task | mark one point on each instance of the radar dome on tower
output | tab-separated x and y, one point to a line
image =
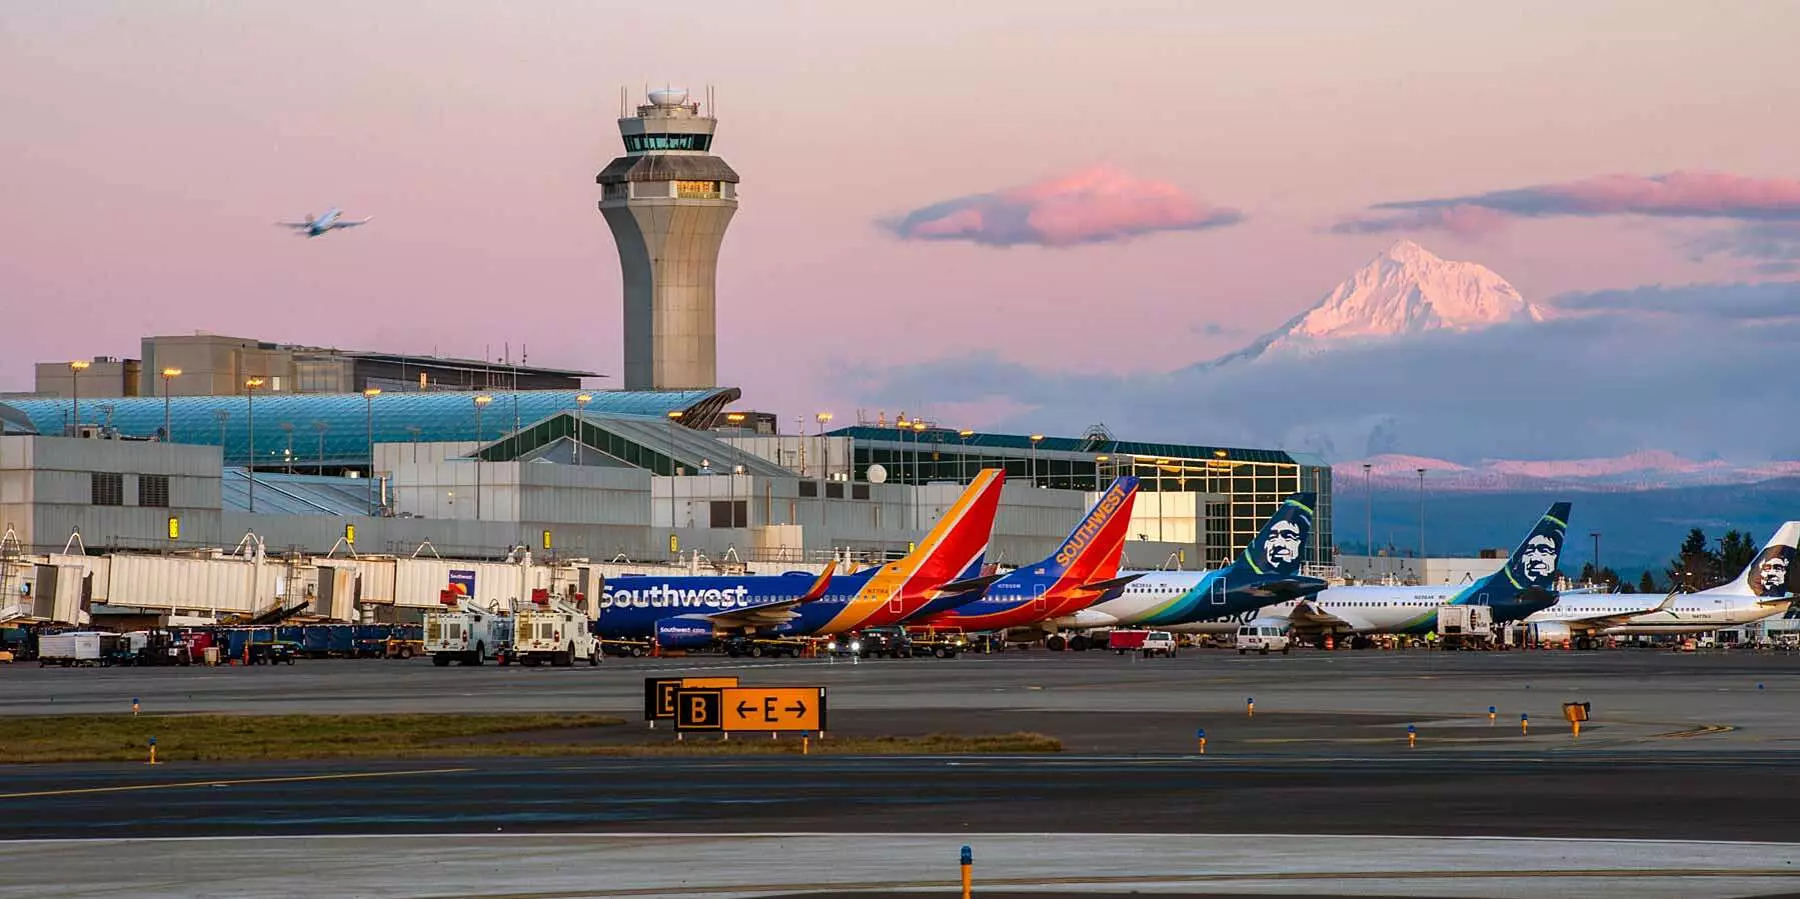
669	96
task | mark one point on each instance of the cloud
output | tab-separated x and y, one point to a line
1095	205
1215	329
1773	301
1688	195
1774	246
1696	379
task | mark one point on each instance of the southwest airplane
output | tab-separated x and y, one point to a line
1521	587
1760	591
1077	575
690	612
1268	571
332	220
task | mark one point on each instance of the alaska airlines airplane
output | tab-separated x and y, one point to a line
1521	587
1077	575
1268	571
332	220
690	612
1762	590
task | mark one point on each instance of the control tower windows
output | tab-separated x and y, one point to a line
639	143
697	190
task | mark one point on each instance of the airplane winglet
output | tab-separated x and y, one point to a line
819	586
1112	583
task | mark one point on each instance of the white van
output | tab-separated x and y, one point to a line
1263	638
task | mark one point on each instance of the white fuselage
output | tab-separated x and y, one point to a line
1148	596
1695	613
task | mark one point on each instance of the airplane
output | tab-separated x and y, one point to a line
691	612
1079	573
332	220
1520	588
1761	590
1267	572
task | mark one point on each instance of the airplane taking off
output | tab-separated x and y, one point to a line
689	612
1521	587
1761	591
1267	572
332	220
1077	575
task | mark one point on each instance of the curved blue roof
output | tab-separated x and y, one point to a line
343	420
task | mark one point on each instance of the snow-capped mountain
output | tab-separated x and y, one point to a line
1405	290
1648	470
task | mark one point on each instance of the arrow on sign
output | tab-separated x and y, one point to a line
798	708
744	709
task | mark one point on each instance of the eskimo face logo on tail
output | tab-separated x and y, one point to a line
1277	550
1769	572
1534	565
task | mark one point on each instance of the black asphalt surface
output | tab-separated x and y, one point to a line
1673	796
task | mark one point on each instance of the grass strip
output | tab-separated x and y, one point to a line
92	738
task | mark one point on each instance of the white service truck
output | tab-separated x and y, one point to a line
71	648
553	631
1465	627
467	634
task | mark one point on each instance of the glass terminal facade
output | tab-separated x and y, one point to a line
1238	488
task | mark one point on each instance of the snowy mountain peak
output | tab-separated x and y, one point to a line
1404	290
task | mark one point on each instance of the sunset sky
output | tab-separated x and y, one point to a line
907	172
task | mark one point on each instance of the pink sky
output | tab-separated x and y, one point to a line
149	146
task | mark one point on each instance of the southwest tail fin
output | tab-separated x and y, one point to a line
1092	549
958	542
1280	547
1766	577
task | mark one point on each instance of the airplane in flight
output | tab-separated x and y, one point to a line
1761	590
1265	573
1523	586
688	612
1079	573
332	220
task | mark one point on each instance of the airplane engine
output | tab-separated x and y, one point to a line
684	633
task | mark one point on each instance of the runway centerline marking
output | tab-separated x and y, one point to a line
231	783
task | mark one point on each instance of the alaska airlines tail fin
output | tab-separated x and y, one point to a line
958	542
1767	575
1530	569
1280	546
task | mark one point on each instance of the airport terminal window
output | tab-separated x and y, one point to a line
108	489
153	490
859	491
730	513
834	490
809	488
639	143
697	190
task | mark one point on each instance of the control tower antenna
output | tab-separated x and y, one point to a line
668	201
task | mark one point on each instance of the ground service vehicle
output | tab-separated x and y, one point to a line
892	642
757	647
944	643
1466	627
78	648
1150	643
466	634
627	647
1263	638
553	631
274	652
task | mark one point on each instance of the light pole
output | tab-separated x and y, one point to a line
414	431
321	426
250	386
674	416
1035	438
1369	535
481	401
918	427
1421	525
580	421
75	370
287	427
962	467
1596	536
369	395
168	375
823	418
221	416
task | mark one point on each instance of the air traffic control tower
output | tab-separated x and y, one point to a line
668	201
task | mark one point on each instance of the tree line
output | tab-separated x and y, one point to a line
1699	564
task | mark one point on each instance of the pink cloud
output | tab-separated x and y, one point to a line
1093	205
1715	195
